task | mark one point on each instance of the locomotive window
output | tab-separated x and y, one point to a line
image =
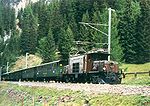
51	66
96	57
75	67
57	64
54	66
47	68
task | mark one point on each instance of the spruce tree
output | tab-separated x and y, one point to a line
85	31
126	31
9	47
69	33
65	44
43	21
8	15
74	28
116	50
98	37
12	49
47	48
1	49
142	35
1	21
29	32
99	18
56	21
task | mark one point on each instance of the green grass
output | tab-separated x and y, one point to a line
140	80
143	79
77	97
136	67
33	60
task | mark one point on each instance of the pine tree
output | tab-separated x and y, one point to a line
43	20
56	21
120	5
85	32
1	49
1	20
65	44
47	48
29	32
9	47
73	27
98	19
142	35
12	49
126	31
98	37
70	36
101	16
116	50
8	15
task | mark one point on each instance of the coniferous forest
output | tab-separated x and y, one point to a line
49	28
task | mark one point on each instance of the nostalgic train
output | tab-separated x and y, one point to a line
90	67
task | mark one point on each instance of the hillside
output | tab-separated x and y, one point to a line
45	28
32	60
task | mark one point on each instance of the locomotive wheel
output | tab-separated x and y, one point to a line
118	81
73	79
101	81
95	79
67	79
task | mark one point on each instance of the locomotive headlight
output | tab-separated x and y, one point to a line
104	68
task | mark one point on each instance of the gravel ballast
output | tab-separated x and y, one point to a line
92	88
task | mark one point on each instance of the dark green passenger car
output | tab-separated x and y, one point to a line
47	71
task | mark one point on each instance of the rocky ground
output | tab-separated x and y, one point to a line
93	88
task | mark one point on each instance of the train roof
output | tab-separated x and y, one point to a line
93	51
31	67
102	51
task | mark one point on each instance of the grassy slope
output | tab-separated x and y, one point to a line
136	67
141	79
77	98
32	60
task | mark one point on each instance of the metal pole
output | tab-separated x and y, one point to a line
7	67
109	32
26	60
0	73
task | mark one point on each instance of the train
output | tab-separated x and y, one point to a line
90	67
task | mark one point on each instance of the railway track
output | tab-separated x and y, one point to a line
92	88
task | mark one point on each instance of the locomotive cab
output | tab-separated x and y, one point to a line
99	62
91	61
92	66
